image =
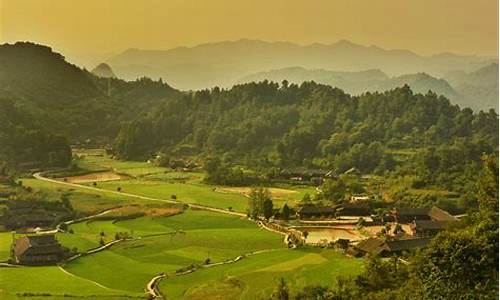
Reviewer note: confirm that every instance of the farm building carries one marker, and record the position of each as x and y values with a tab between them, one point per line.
425	228
37	250
408	215
303	174
378	247
314	211
354	209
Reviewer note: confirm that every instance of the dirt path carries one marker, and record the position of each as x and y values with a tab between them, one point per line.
93	282
152	286
196	206
58	227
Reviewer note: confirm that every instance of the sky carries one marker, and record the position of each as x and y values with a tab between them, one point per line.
104	27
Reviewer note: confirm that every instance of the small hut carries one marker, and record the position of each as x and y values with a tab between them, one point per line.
37	250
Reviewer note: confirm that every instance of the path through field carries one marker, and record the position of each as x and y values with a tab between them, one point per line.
91	281
39	176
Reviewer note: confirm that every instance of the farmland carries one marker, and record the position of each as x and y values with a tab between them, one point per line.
256	276
164	240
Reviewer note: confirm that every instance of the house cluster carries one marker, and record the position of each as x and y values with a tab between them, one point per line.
314	176
420	223
385	248
424	224
37	250
311	211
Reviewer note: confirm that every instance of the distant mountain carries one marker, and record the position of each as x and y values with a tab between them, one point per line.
479	89
103	70
358	82
223	63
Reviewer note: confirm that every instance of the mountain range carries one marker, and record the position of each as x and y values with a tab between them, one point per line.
477	90
223	63
356	68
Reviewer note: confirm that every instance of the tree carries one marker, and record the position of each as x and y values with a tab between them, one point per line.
285	212
487	186
267	208
258	196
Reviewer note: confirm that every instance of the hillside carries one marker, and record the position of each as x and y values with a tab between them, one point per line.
67	100
311	125
221	64
358	82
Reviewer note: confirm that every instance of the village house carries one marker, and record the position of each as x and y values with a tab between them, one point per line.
315	176
408	215
426	228
313	211
379	247
37	250
354	209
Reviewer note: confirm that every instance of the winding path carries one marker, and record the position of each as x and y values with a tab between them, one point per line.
39	176
152	285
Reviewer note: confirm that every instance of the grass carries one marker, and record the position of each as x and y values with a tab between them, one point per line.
185	192
5	241
49	280
100	161
166	245
156	182
256	276
83	200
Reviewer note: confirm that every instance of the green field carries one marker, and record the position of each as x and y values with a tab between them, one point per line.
185	192
49	281
165	245
83	200
98	160
256	276
5	241
169	244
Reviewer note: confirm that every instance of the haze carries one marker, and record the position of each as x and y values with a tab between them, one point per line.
95	27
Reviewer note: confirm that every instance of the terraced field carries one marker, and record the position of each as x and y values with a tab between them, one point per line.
255	277
52	283
204	241
164	245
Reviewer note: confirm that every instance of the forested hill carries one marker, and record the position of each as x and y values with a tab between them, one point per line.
312	125
46	102
65	99
359	82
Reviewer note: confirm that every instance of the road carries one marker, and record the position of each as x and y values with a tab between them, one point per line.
151	286
39	176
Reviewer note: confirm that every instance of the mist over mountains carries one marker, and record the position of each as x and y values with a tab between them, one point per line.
349	66
357	82
477	90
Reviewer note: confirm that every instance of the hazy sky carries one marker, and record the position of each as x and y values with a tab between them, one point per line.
110	26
